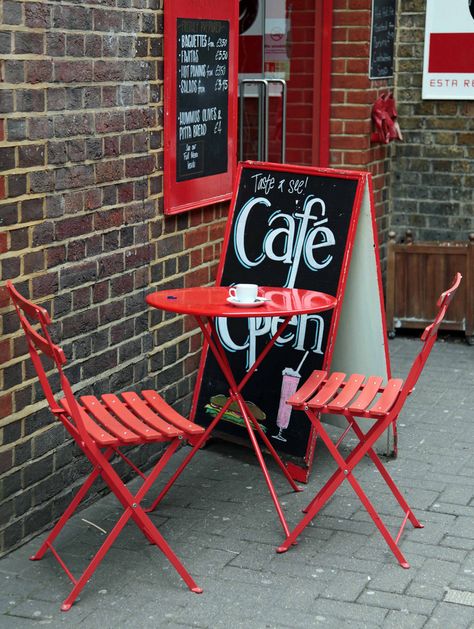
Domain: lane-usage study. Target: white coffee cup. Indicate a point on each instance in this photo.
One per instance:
(245, 293)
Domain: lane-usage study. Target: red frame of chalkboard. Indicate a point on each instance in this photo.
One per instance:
(301, 472)
(193, 193)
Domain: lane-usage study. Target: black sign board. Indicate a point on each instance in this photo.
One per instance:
(202, 97)
(294, 227)
(200, 103)
(382, 38)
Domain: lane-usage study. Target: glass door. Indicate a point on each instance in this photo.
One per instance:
(279, 80)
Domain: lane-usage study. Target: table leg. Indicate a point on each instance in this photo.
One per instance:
(272, 451)
(210, 333)
(261, 461)
(211, 336)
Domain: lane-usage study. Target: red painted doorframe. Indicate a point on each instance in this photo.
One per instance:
(322, 82)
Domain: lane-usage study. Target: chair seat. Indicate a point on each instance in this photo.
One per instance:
(334, 393)
(129, 419)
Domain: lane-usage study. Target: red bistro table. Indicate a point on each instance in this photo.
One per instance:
(205, 304)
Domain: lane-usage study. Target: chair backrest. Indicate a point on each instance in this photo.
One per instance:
(40, 345)
(429, 336)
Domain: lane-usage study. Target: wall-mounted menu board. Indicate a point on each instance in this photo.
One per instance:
(200, 103)
(295, 226)
(202, 97)
(382, 38)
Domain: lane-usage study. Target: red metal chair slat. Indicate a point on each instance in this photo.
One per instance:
(100, 429)
(368, 393)
(110, 423)
(307, 389)
(138, 406)
(326, 392)
(97, 433)
(158, 404)
(342, 399)
(121, 410)
(388, 398)
(383, 412)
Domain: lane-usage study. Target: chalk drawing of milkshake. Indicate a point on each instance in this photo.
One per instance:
(289, 384)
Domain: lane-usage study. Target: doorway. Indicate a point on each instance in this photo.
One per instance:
(284, 80)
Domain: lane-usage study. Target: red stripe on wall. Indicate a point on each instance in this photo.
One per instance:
(451, 52)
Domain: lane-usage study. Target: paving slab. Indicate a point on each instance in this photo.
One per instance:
(220, 521)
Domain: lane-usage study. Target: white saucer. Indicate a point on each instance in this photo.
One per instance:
(246, 304)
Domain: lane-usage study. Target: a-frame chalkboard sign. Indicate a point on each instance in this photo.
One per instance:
(298, 227)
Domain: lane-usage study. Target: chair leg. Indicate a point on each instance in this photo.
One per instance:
(378, 521)
(344, 471)
(313, 508)
(196, 446)
(68, 512)
(138, 514)
(132, 510)
(151, 531)
(85, 576)
(386, 476)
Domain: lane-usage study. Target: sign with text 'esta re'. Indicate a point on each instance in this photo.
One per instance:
(448, 66)
(295, 227)
(200, 103)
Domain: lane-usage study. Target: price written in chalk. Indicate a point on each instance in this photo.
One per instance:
(221, 85)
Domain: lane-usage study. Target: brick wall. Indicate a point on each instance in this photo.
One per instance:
(352, 97)
(433, 168)
(82, 229)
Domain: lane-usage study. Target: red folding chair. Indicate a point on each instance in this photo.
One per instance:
(366, 398)
(101, 427)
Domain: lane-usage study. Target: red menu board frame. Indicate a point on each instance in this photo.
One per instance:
(182, 194)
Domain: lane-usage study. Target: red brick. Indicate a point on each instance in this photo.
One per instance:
(5, 351)
(351, 142)
(351, 82)
(355, 18)
(198, 277)
(108, 218)
(39, 71)
(196, 257)
(195, 238)
(100, 291)
(73, 71)
(139, 166)
(108, 122)
(6, 405)
(348, 112)
(3, 242)
(55, 256)
(73, 227)
(351, 49)
(109, 171)
(93, 199)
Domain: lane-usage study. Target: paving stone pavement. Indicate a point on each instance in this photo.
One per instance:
(220, 521)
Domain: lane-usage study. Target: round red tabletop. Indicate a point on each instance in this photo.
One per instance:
(213, 301)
